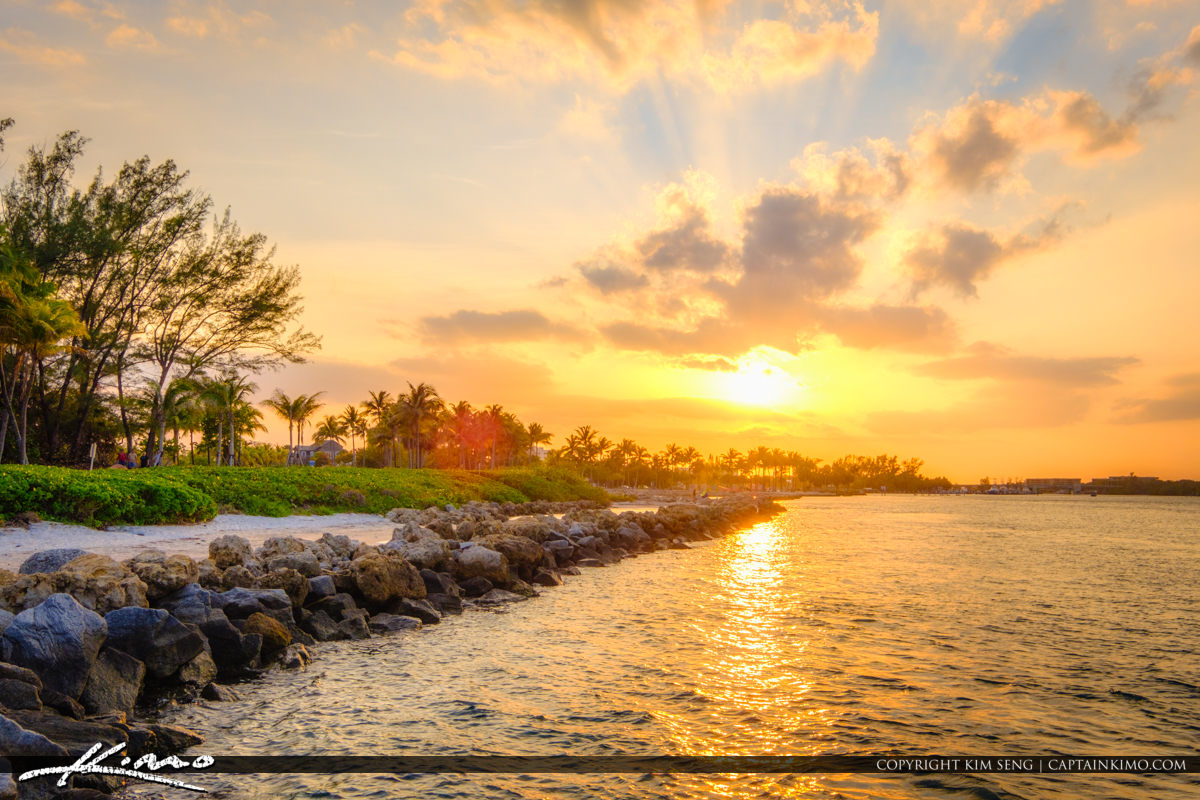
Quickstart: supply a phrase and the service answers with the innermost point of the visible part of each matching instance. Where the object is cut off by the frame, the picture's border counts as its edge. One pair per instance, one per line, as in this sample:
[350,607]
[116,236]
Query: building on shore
[1054,485]
[307,453]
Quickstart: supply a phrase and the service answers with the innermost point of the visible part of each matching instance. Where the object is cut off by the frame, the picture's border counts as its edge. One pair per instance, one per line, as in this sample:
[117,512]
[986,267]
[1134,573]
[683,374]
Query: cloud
[127,37]
[711,363]
[795,247]
[343,38]
[26,47]
[987,361]
[610,278]
[959,255]
[465,326]
[848,175]
[1182,402]
[215,19]
[688,245]
[921,328]
[617,43]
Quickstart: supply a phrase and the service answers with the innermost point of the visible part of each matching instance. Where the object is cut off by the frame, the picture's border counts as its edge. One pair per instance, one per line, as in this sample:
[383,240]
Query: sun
[757,383]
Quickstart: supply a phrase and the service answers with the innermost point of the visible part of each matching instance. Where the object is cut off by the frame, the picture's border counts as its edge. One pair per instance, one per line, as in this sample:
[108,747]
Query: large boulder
[18,741]
[241,603]
[27,591]
[59,640]
[381,578]
[229,550]
[114,683]
[49,560]
[231,649]
[341,547]
[20,694]
[274,634]
[304,562]
[102,584]
[384,624]
[278,546]
[237,576]
[420,546]
[154,637]
[476,561]
[162,573]
[523,553]
[292,582]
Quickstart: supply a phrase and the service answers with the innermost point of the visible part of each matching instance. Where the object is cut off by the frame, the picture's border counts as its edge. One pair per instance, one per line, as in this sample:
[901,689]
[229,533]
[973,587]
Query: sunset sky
[965,231]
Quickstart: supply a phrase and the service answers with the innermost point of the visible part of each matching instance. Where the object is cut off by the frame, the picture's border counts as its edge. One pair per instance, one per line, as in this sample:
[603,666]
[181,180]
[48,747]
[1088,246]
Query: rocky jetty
[87,641]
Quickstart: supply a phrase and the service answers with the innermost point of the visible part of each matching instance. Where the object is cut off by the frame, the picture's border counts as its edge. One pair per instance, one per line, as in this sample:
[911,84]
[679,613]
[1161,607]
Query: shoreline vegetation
[92,647]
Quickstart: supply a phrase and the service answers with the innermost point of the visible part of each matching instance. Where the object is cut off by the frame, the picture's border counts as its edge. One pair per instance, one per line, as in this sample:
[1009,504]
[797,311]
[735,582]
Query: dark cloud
[989,361]
[1182,402]
[977,156]
[503,326]
[922,328]
[689,245]
[795,248]
[1085,116]
[960,256]
[610,278]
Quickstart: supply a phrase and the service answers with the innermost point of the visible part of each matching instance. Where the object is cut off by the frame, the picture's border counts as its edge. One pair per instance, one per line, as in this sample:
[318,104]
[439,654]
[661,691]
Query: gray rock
[355,626]
[6,618]
[18,741]
[231,650]
[229,550]
[446,603]
[240,603]
[19,694]
[58,640]
[199,672]
[336,606]
[14,673]
[475,587]
[154,637]
[322,627]
[220,693]
[546,578]
[295,656]
[481,562]
[114,683]
[303,562]
[49,560]
[499,596]
[440,583]
[421,609]
[384,624]
[320,586]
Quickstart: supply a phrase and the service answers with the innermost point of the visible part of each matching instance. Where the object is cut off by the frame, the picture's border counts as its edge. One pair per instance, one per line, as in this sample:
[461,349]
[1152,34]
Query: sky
[962,231]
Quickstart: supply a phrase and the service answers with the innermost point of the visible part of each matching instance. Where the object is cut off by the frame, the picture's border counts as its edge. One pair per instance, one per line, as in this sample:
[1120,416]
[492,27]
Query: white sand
[121,542]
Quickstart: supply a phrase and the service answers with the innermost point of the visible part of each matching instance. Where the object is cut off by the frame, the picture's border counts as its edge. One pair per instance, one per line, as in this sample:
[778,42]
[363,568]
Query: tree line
[121,298]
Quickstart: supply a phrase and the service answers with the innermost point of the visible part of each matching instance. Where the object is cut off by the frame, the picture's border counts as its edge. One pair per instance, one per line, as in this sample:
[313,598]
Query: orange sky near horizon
[832,227]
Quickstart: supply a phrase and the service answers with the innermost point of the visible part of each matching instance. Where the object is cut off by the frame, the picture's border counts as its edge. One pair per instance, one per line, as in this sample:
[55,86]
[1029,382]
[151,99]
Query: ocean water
[862,625]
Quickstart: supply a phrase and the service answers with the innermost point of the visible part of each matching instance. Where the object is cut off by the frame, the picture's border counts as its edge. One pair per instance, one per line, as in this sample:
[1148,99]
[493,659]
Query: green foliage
[192,494]
[104,497]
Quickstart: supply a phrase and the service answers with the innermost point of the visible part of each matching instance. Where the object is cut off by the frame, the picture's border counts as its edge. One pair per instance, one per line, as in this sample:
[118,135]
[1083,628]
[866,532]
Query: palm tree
[305,406]
[378,404]
[330,429]
[537,435]
[356,425]
[421,403]
[283,406]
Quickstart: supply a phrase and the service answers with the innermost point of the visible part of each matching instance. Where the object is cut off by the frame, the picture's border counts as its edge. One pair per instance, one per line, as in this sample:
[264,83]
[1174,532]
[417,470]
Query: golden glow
[757,383]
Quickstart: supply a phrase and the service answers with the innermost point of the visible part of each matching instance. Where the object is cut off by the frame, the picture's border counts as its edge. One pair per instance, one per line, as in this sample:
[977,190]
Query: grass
[194,494]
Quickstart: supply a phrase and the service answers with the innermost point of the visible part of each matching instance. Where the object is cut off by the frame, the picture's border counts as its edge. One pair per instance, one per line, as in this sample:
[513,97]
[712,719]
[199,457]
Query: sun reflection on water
[753,675]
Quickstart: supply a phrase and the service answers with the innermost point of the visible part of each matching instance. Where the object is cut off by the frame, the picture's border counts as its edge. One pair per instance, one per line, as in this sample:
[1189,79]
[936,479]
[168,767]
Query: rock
[174,739]
[199,672]
[337,606]
[49,560]
[210,576]
[77,736]
[384,624]
[59,640]
[163,574]
[8,786]
[101,584]
[474,587]
[67,706]
[240,603]
[546,578]
[220,693]
[230,649]
[680,544]
[295,656]
[14,673]
[589,562]
[499,596]
[274,634]
[522,588]
[446,603]
[354,626]
[114,682]
[154,637]
[522,553]
[321,586]
[421,609]
[291,581]
[570,569]
[236,577]
[279,546]
[439,583]
[480,562]
[6,618]
[19,694]
[421,547]
[322,627]
[381,578]
[229,550]
[18,741]
[341,546]
[304,562]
